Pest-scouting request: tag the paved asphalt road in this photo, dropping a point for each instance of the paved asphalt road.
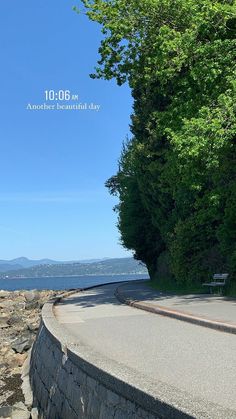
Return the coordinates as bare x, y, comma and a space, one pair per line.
209, 306
192, 358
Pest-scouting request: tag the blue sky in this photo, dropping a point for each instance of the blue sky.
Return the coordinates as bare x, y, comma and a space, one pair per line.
54, 163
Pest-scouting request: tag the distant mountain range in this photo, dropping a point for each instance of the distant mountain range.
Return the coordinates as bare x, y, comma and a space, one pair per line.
49, 268
23, 262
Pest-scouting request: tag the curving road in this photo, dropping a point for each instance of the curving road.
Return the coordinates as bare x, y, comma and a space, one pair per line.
197, 361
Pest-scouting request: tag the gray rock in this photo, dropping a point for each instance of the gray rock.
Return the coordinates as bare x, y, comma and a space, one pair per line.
4, 294
33, 327
13, 320
23, 343
4, 317
19, 406
20, 411
40, 304
3, 366
31, 305
20, 414
7, 304
4, 322
34, 413
31, 295
5, 411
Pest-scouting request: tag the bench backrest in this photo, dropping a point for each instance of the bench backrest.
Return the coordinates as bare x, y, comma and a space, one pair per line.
220, 276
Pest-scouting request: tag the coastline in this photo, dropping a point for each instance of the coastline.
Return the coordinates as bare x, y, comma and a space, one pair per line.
20, 313
64, 283
73, 276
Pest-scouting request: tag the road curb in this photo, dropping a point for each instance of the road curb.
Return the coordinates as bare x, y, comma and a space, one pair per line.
102, 370
178, 315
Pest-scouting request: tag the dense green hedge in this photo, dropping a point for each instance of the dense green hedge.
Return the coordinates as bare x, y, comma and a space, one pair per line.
177, 175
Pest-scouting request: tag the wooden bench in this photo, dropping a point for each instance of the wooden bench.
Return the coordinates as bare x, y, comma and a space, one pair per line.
219, 281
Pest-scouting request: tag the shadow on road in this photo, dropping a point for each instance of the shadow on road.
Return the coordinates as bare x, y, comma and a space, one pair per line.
142, 292
93, 297
139, 291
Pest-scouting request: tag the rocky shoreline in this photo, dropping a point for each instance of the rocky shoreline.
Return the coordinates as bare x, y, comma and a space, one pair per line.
20, 313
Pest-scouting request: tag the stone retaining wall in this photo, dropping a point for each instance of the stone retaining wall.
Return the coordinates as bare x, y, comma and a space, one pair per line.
66, 386
63, 389
70, 380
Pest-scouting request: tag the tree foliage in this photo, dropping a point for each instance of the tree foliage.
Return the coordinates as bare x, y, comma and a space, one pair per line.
177, 175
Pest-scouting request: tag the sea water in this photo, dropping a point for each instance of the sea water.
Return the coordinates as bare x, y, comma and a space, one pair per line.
64, 283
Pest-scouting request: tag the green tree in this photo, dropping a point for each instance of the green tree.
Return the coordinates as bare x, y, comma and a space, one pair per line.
177, 175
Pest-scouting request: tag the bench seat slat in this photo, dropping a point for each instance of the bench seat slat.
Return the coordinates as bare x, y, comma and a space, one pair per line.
220, 276
219, 280
213, 284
